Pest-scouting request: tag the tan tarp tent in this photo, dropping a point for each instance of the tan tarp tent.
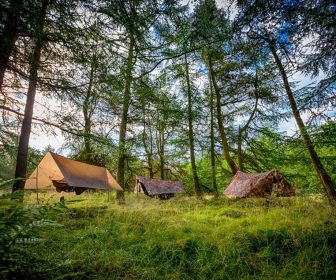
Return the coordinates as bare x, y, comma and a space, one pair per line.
265, 184
63, 174
163, 189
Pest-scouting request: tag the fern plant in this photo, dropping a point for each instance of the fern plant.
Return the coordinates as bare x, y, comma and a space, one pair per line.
20, 225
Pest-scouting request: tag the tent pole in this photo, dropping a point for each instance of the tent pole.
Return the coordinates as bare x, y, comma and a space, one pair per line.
37, 197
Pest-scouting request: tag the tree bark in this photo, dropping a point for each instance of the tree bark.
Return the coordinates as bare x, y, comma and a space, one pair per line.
9, 36
225, 144
87, 112
242, 130
150, 154
124, 120
239, 150
148, 150
161, 150
197, 186
212, 141
160, 137
318, 166
22, 156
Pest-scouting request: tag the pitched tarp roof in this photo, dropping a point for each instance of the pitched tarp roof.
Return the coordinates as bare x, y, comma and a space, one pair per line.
56, 170
259, 185
158, 186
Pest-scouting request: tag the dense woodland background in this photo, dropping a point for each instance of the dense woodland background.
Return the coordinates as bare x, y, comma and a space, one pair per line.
190, 91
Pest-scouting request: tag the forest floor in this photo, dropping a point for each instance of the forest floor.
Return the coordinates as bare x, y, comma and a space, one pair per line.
185, 238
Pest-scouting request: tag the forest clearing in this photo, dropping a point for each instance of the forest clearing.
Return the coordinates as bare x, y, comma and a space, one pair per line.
167, 139
183, 238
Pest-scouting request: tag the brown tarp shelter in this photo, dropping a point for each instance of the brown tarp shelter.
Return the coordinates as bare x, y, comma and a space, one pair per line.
265, 184
64, 174
164, 189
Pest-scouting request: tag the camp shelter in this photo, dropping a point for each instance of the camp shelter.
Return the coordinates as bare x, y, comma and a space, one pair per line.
64, 174
265, 184
163, 189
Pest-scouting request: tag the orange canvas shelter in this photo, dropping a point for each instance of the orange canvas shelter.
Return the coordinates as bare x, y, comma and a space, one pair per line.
64, 174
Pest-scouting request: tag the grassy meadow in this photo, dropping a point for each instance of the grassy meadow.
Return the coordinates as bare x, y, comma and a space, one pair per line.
182, 238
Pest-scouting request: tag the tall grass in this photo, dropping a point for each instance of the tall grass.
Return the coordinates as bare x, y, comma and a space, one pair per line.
20, 226
185, 238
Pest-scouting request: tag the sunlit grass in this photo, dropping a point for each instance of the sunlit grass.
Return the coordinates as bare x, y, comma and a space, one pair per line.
185, 238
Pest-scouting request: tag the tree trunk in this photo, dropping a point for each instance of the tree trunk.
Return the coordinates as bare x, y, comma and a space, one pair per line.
21, 161
124, 119
225, 144
319, 168
212, 141
148, 150
87, 117
150, 157
9, 36
197, 186
239, 149
160, 138
162, 158
161, 151
242, 130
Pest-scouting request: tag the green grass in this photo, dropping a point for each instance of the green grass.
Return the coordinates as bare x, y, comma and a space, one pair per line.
184, 238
